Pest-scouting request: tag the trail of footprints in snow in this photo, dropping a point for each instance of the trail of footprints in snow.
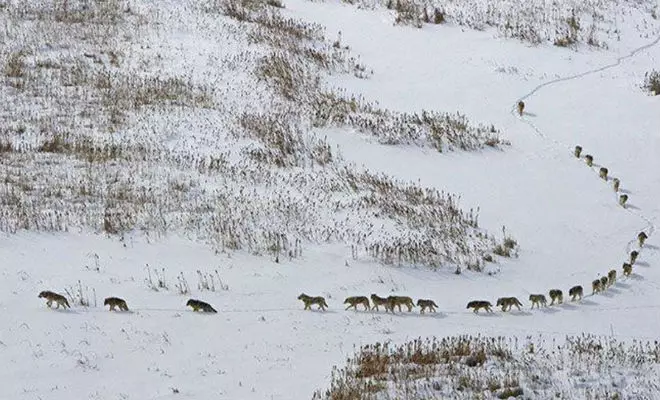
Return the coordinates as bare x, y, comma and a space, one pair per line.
605, 281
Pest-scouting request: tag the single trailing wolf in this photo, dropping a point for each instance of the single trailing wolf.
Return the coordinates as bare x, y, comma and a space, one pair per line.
423, 304
54, 297
576, 292
611, 277
200, 305
115, 302
596, 286
538, 299
378, 301
354, 301
309, 300
507, 302
521, 107
641, 238
477, 304
556, 295
398, 301
627, 269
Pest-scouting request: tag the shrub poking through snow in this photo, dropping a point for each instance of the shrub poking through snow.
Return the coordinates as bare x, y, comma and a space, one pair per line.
652, 82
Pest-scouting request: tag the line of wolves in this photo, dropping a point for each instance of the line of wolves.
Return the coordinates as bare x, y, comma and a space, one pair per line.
506, 303
390, 302
116, 302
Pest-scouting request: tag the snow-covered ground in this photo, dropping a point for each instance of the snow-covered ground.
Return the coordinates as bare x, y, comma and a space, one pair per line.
261, 344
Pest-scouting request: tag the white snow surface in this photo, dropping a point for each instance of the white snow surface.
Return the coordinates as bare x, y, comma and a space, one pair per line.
262, 344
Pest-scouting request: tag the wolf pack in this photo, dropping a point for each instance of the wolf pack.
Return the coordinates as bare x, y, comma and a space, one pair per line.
115, 302
391, 302
505, 303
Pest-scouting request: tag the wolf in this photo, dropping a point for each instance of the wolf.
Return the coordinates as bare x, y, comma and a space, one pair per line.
477, 304
54, 297
578, 151
556, 295
623, 199
611, 277
589, 159
615, 184
575, 291
354, 301
538, 299
200, 305
115, 302
521, 107
424, 304
507, 302
397, 301
641, 238
603, 173
604, 283
627, 269
378, 301
309, 300
633, 256
596, 286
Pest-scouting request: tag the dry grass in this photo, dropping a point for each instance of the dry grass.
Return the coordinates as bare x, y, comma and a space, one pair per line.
99, 136
463, 367
442, 131
652, 82
565, 23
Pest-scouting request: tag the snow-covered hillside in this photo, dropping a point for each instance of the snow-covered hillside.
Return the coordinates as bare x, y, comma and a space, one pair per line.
242, 153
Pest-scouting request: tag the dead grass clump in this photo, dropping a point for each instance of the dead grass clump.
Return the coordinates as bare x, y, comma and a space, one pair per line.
6, 146
570, 32
463, 367
275, 3
105, 12
301, 39
442, 131
241, 10
82, 147
565, 23
652, 82
126, 93
57, 143
420, 360
278, 134
15, 65
79, 12
435, 230
508, 247
290, 77
407, 12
